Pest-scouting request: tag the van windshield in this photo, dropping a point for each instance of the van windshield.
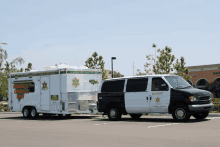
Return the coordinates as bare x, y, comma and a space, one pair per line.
177, 82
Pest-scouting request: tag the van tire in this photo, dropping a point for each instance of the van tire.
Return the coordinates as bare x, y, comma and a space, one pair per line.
114, 114
33, 113
26, 112
135, 116
181, 113
201, 115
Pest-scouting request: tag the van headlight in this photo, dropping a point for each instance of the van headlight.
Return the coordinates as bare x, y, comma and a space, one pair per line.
192, 98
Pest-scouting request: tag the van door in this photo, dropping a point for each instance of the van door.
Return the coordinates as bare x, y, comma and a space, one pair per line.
159, 95
45, 94
136, 95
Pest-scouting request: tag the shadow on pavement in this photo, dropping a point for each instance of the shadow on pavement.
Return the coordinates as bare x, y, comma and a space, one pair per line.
48, 118
154, 120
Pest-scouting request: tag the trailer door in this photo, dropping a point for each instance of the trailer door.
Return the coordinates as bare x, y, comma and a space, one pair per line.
45, 93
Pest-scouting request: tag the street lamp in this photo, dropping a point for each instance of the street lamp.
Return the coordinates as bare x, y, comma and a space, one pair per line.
112, 65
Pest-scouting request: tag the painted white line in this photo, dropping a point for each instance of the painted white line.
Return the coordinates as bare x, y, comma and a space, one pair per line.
168, 124
104, 123
96, 124
175, 123
152, 126
160, 125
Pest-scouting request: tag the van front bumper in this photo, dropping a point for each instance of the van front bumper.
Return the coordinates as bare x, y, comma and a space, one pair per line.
200, 108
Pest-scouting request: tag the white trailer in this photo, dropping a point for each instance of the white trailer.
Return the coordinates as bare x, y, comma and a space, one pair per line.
59, 91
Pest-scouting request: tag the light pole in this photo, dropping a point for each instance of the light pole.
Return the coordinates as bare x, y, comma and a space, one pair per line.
112, 65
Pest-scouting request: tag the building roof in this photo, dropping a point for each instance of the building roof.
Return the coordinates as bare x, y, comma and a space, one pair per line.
204, 66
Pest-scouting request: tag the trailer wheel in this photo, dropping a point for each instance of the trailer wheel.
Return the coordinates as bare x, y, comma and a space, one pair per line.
68, 115
114, 114
26, 112
34, 113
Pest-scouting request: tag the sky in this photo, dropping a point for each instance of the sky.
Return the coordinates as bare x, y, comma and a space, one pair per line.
51, 32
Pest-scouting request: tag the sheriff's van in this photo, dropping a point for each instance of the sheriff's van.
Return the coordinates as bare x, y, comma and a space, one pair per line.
140, 95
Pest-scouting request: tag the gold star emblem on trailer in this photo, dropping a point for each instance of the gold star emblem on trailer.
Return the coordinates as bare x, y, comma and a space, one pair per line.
157, 99
75, 82
44, 86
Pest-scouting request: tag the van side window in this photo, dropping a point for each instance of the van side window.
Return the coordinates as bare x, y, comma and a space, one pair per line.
113, 86
158, 84
137, 85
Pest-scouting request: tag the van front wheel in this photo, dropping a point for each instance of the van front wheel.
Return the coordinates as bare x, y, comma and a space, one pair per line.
114, 114
181, 113
202, 115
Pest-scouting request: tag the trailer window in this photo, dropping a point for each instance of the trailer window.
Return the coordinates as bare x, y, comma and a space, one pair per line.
31, 87
113, 86
137, 85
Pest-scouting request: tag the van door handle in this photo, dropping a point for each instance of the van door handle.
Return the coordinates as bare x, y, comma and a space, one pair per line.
150, 98
147, 98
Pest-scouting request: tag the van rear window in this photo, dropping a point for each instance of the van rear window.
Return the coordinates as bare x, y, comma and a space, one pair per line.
113, 86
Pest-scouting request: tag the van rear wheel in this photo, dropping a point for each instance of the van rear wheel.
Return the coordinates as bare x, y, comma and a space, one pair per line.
181, 113
114, 114
135, 116
202, 115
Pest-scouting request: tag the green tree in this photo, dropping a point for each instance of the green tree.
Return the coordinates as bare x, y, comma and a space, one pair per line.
146, 66
9, 68
181, 69
29, 67
116, 74
96, 62
164, 61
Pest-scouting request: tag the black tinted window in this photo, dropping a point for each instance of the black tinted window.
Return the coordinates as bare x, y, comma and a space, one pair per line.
31, 87
113, 86
136, 85
157, 85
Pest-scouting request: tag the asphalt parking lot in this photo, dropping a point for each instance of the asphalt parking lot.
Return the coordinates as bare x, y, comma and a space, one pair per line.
96, 131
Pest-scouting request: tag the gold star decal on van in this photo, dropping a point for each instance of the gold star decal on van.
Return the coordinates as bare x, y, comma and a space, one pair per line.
157, 99
75, 82
44, 86
93, 82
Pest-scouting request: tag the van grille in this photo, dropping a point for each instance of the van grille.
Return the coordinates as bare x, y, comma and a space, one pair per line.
205, 98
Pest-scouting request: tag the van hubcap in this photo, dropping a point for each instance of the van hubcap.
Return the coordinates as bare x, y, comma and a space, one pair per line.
180, 113
112, 113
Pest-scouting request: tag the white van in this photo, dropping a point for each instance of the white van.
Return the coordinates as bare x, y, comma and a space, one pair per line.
140, 95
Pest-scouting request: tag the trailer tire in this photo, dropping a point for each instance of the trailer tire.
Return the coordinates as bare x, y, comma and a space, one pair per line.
34, 113
26, 112
114, 114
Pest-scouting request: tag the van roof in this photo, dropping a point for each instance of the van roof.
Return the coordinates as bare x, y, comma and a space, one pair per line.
158, 75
